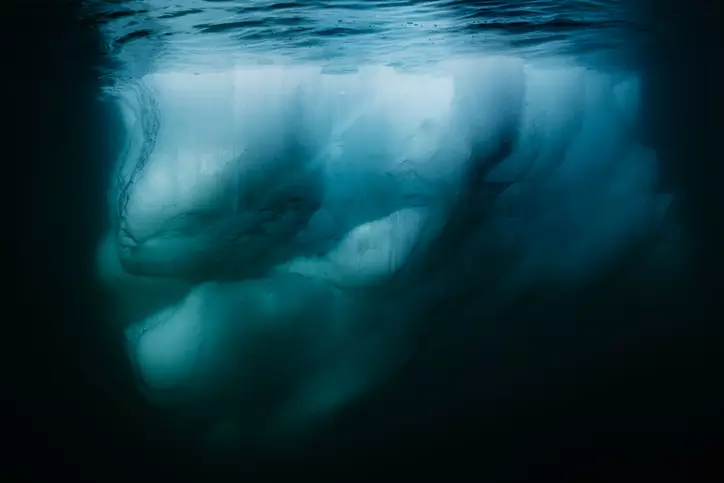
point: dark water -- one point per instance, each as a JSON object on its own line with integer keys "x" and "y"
{"x": 403, "y": 33}
{"x": 583, "y": 384}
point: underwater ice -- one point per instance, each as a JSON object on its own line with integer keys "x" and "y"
{"x": 267, "y": 221}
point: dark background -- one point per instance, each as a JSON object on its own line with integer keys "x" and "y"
{"x": 626, "y": 377}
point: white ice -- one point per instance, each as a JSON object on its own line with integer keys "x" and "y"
{"x": 278, "y": 204}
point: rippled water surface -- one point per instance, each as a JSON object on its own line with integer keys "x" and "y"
{"x": 346, "y": 33}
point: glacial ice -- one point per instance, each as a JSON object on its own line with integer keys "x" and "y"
{"x": 260, "y": 213}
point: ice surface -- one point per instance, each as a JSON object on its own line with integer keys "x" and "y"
{"x": 238, "y": 163}
{"x": 263, "y": 215}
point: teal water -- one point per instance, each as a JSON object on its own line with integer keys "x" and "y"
{"x": 319, "y": 227}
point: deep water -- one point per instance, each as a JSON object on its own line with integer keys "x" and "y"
{"x": 545, "y": 291}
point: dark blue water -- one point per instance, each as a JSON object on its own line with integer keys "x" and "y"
{"x": 612, "y": 369}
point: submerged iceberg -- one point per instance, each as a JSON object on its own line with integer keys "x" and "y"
{"x": 254, "y": 167}
{"x": 276, "y": 230}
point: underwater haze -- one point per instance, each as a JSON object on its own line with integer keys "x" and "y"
{"x": 300, "y": 183}
{"x": 318, "y": 224}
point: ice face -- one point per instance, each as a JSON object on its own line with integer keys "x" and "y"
{"x": 167, "y": 346}
{"x": 264, "y": 216}
{"x": 224, "y": 170}
{"x": 256, "y": 346}
{"x": 369, "y": 253}
{"x": 238, "y": 163}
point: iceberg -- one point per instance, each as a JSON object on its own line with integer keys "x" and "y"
{"x": 278, "y": 231}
